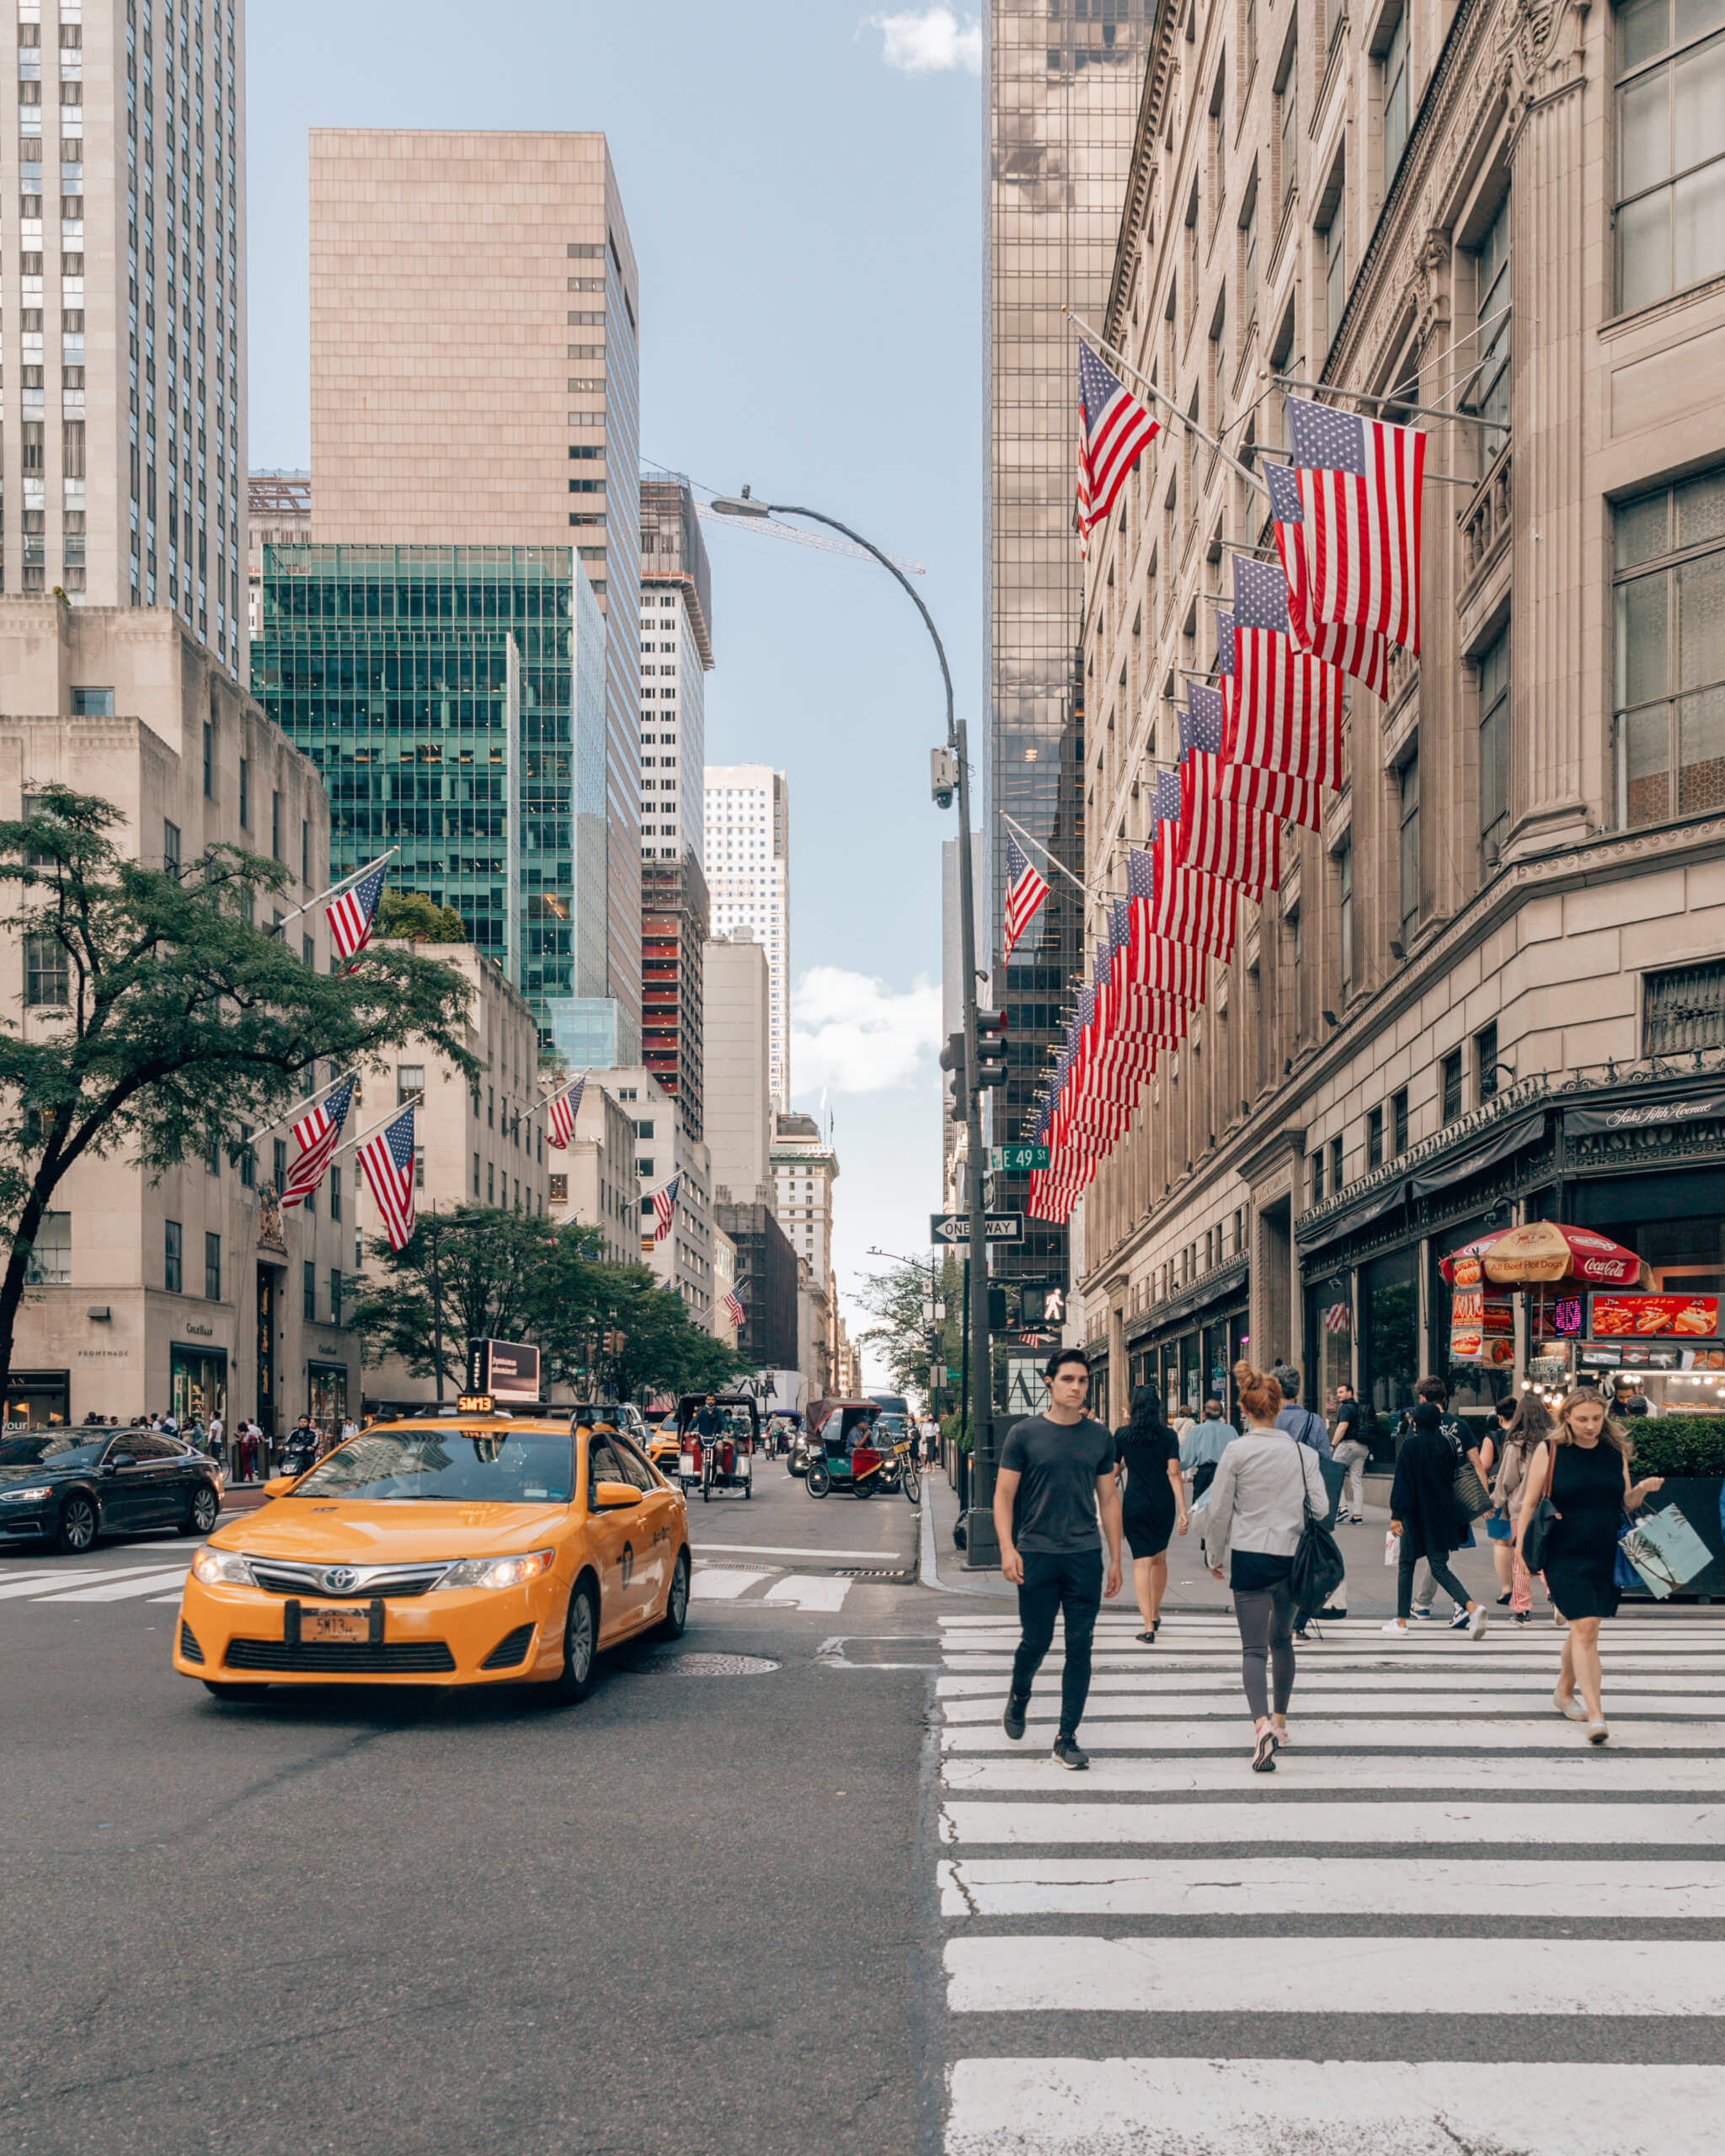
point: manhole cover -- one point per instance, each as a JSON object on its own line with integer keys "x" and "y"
{"x": 672, "y": 1664}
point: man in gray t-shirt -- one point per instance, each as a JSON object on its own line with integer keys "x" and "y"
{"x": 1056, "y": 1474}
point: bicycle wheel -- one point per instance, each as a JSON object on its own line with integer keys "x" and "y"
{"x": 913, "y": 1482}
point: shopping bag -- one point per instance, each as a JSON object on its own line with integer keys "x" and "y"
{"x": 1392, "y": 1548}
{"x": 1665, "y": 1550}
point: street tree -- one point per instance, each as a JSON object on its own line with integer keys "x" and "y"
{"x": 899, "y": 1298}
{"x": 160, "y": 1021}
{"x": 663, "y": 1348}
{"x": 413, "y": 917}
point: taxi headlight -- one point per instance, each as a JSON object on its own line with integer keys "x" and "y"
{"x": 26, "y": 1496}
{"x": 210, "y": 1566}
{"x": 498, "y": 1571}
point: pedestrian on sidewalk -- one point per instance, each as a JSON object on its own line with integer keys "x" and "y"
{"x": 1584, "y": 1466}
{"x": 1465, "y": 1446}
{"x": 1056, "y": 1474}
{"x": 1527, "y": 1428}
{"x": 1155, "y": 1498}
{"x": 1202, "y": 1444}
{"x": 1306, "y": 1427}
{"x": 1264, "y": 1482}
{"x": 1426, "y": 1519}
{"x": 1348, "y": 1445}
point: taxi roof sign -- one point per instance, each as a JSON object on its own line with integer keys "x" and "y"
{"x": 474, "y": 1403}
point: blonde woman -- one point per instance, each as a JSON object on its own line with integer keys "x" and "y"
{"x": 1584, "y": 1467}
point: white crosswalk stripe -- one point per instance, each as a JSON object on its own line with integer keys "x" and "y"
{"x": 822, "y": 1591}
{"x": 1437, "y": 1847}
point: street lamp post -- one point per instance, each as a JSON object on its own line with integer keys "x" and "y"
{"x": 981, "y": 1548}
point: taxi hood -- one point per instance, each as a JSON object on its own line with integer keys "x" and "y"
{"x": 320, "y": 1529}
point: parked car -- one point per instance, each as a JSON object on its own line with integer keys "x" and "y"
{"x": 67, "y": 1486}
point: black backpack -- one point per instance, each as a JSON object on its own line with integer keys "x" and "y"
{"x": 1318, "y": 1569}
{"x": 1202, "y": 1476}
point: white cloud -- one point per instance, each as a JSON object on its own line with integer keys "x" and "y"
{"x": 932, "y": 43}
{"x": 853, "y": 1035}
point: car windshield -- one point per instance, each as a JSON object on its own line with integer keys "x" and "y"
{"x": 51, "y": 1448}
{"x": 448, "y": 1465}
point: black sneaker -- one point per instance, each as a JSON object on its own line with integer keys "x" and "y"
{"x": 1012, "y": 1721}
{"x": 1067, "y": 1753}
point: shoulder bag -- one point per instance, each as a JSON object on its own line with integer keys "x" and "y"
{"x": 1472, "y": 1499}
{"x": 1317, "y": 1570}
{"x": 1546, "y": 1517}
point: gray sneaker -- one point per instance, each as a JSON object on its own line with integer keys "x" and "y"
{"x": 1067, "y": 1753}
{"x": 1012, "y": 1721}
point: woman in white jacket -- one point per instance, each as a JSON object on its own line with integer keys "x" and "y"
{"x": 1256, "y": 1516}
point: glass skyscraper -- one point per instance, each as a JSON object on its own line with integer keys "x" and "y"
{"x": 1065, "y": 77}
{"x": 454, "y": 700}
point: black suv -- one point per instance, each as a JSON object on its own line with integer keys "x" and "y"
{"x": 67, "y": 1487}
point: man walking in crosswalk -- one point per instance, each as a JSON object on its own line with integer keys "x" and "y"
{"x": 1057, "y": 1473}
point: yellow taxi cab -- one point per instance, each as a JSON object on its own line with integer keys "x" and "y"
{"x": 479, "y": 1547}
{"x": 664, "y": 1444}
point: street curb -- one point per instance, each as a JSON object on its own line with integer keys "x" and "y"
{"x": 930, "y": 1570}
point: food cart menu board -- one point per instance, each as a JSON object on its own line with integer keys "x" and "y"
{"x": 1655, "y": 1317}
{"x": 1482, "y": 1327}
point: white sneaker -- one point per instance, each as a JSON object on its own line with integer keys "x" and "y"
{"x": 1572, "y": 1707}
{"x": 1597, "y": 1732}
{"x": 1476, "y": 1624}
{"x": 1395, "y": 1629}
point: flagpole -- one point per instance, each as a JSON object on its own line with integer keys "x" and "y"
{"x": 340, "y": 884}
{"x": 360, "y": 1136}
{"x": 546, "y": 1100}
{"x": 1083, "y": 887}
{"x": 1439, "y": 478}
{"x": 293, "y": 1115}
{"x": 1420, "y": 411}
{"x": 1161, "y": 397}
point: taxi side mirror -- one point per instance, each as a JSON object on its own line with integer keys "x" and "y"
{"x": 278, "y": 1485}
{"x": 613, "y": 1497}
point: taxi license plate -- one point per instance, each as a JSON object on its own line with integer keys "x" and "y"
{"x": 335, "y": 1624}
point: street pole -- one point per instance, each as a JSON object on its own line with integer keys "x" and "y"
{"x": 436, "y": 1227}
{"x": 981, "y": 1548}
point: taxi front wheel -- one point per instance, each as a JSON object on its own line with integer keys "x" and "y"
{"x": 676, "y": 1618}
{"x": 580, "y": 1641}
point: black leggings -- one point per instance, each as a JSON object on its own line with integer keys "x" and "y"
{"x": 1266, "y": 1620}
{"x": 1409, "y": 1564}
{"x": 1070, "y": 1585}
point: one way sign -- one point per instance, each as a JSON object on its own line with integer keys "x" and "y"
{"x": 951, "y": 1228}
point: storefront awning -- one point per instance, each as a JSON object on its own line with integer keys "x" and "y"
{"x": 1641, "y": 1115}
{"x": 1383, "y": 1199}
{"x": 1219, "y": 1286}
{"x": 1522, "y": 1131}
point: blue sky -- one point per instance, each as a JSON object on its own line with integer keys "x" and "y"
{"x": 803, "y": 184}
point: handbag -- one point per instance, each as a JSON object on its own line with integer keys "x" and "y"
{"x": 1665, "y": 1550}
{"x": 1472, "y": 1497}
{"x": 1546, "y": 1516}
{"x": 1317, "y": 1569}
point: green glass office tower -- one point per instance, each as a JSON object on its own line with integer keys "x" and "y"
{"x": 453, "y": 699}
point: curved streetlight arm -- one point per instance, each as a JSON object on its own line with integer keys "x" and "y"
{"x": 782, "y": 509}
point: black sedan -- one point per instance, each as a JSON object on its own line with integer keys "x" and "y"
{"x": 68, "y": 1486}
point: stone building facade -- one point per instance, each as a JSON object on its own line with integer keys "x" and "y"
{"x": 1490, "y": 988}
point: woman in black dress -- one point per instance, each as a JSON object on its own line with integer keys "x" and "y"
{"x": 1155, "y": 1498}
{"x": 1584, "y": 1465}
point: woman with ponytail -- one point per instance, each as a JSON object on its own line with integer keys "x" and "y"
{"x": 1257, "y": 1508}
{"x": 1148, "y": 1452}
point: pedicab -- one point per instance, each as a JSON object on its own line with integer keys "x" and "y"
{"x": 717, "y": 1438}
{"x": 855, "y": 1452}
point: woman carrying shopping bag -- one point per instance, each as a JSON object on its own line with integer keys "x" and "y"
{"x": 1427, "y": 1519}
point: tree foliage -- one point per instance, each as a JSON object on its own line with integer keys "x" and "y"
{"x": 413, "y": 917}
{"x": 898, "y": 1298}
{"x": 515, "y": 1276}
{"x": 163, "y": 1020}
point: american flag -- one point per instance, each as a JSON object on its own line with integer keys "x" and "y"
{"x": 665, "y": 1208}
{"x": 1359, "y": 486}
{"x": 1191, "y": 905}
{"x": 1293, "y": 800}
{"x": 734, "y": 1310}
{"x": 387, "y": 1158}
{"x": 1113, "y": 431}
{"x": 1285, "y": 712}
{"x": 1217, "y": 833}
{"x": 1362, "y": 653}
{"x": 1337, "y": 1318}
{"x": 1025, "y": 892}
{"x": 351, "y": 915}
{"x": 560, "y": 1115}
{"x": 317, "y": 1134}
{"x": 1165, "y": 808}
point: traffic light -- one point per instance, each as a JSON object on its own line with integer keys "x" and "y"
{"x": 990, "y": 1048}
{"x": 952, "y": 1058}
{"x": 934, "y": 1340}
{"x": 1033, "y": 1305}
{"x": 996, "y": 1308}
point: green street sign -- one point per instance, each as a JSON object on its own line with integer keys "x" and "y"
{"x": 955, "y": 1377}
{"x": 1014, "y": 1159}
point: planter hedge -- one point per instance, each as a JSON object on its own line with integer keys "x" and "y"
{"x": 1677, "y": 1445}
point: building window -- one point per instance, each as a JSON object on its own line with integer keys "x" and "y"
{"x": 1335, "y": 267}
{"x": 410, "y": 1080}
{"x": 171, "y": 1243}
{"x": 245, "y": 793}
{"x": 248, "y": 1159}
{"x": 1670, "y": 142}
{"x": 1493, "y": 751}
{"x": 1488, "y": 393}
{"x": 47, "y": 972}
{"x": 1314, "y": 1169}
{"x": 1335, "y": 1164}
{"x": 170, "y": 848}
{"x": 1396, "y": 98}
{"x": 1398, "y": 1123}
{"x": 1374, "y": 1138}
{"x": 92, "y": 703}
{"x": 209, "y": 761}
{"x": 1670, "y": 651}
{"x": 1450, "y": 1072}
{"x": 276, "y": 825}
{"x": 335, "y": 1193}
{"x": 1408, "y": 813}
{"x": 1345, "y": 881}
{"x": 419, "y": 1167}
{"x": 1684, "y": 1010}
{"x": 336, "y": 1287}
{"x": 212, "y": 1268}
{"x": 278, "y": 1163}
{"x": 1288, "y": 114}
{"x": 49, "y": 1263}
{"x": 491, "y": 1182}
{"x": 308, "y": 1291}
{"x": 1485, "y": 1062}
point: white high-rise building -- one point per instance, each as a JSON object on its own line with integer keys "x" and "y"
{"x": 677, "y": 655}
{"x": 748, "y": 863}
{"x": 123, "y": 272}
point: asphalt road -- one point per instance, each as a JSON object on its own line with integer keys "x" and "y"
{"x": 680, "y": 1916}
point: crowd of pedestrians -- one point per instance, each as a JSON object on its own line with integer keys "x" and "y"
{"x": 1552, "y": 1493}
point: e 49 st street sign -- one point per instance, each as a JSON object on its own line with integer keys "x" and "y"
{"x": 951, "y": 1228}
{"x": 1016, "y": 1160}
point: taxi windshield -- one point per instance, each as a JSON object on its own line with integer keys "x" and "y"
{"x": 449, "y": 1465}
